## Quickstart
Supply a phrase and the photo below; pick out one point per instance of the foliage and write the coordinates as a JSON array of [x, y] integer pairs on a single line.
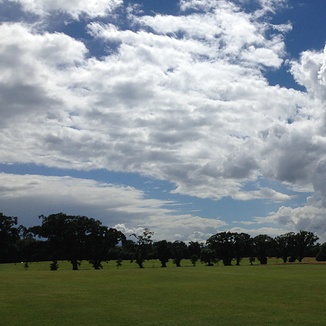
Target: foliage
[[304, 241], [9, 235], [163, 251], [102, 240], [208, 256], [230, 245], [179, 251], [143, 243], [194, 248], [194, 259], [242, 246], [75, 238], [80, 238], [222, 245], [285, 246], [262, 247], [321, 256]]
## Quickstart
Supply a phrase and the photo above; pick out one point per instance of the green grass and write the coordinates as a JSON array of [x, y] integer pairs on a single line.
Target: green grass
[[276, 294]]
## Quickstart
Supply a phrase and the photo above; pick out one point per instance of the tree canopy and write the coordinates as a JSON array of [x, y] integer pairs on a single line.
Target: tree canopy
[[77, 238]]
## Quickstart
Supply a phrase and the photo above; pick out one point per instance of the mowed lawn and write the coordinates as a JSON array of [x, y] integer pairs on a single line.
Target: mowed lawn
[[274, 294]]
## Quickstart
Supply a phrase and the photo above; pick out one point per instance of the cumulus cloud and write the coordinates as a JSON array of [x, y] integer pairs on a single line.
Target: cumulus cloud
[[123, 207], [74, 8], [176, 108], [310, 72], [310, 217], [271, 231], [227, 29], [32, 79], [180, 98], [319, 180]]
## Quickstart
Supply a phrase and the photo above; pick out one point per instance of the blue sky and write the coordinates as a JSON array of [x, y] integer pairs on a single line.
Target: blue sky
[[188, 117]]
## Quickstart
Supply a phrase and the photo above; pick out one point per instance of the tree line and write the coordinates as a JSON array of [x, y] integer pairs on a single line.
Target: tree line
[[62, 237]]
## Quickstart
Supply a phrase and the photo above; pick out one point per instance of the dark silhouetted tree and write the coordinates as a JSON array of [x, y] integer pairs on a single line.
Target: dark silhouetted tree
[[262, 247], [208, 256], [242, 246], [162, 251], [194, 259], [31, 249], [143, 244], [102, 240], [9, 237], [179, 252], [284, 246], [77, 238], [194, 248], [304, 241], [321, 255], [127, 251], [223, 244]]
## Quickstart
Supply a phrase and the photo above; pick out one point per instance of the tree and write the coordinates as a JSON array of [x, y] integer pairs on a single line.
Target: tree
[[262, 246], [9, 236], [304, 241], [75, 238], [162, 250], [194, 259], [223, 244], [321, 256], [179, 251], [143, 243], [126, 251], [284, 245], [194, 249], [31, 249], [242, 246], [208, 256], [119, 262], [102, 240], [54, 265]]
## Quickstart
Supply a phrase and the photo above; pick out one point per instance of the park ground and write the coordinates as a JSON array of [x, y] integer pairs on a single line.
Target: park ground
[[273, 294]]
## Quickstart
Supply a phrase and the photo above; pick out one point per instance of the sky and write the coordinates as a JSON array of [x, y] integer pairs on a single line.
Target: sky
[[186, 117]]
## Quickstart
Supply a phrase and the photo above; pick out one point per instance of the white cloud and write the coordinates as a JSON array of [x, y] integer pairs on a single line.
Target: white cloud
[[175, 108], [75, 8], [310, 72], [263, 193], [181, 98], [309, 217], [116, 206], [270, 6], [228, 32], [34, 71], [271, 231]]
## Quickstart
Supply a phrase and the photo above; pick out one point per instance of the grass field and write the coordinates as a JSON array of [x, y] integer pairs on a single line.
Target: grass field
[[274, 294]]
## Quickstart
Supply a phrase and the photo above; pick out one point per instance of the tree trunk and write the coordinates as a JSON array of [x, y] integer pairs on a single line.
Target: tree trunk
[[140, 263], [74, 265], [96, 264]]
